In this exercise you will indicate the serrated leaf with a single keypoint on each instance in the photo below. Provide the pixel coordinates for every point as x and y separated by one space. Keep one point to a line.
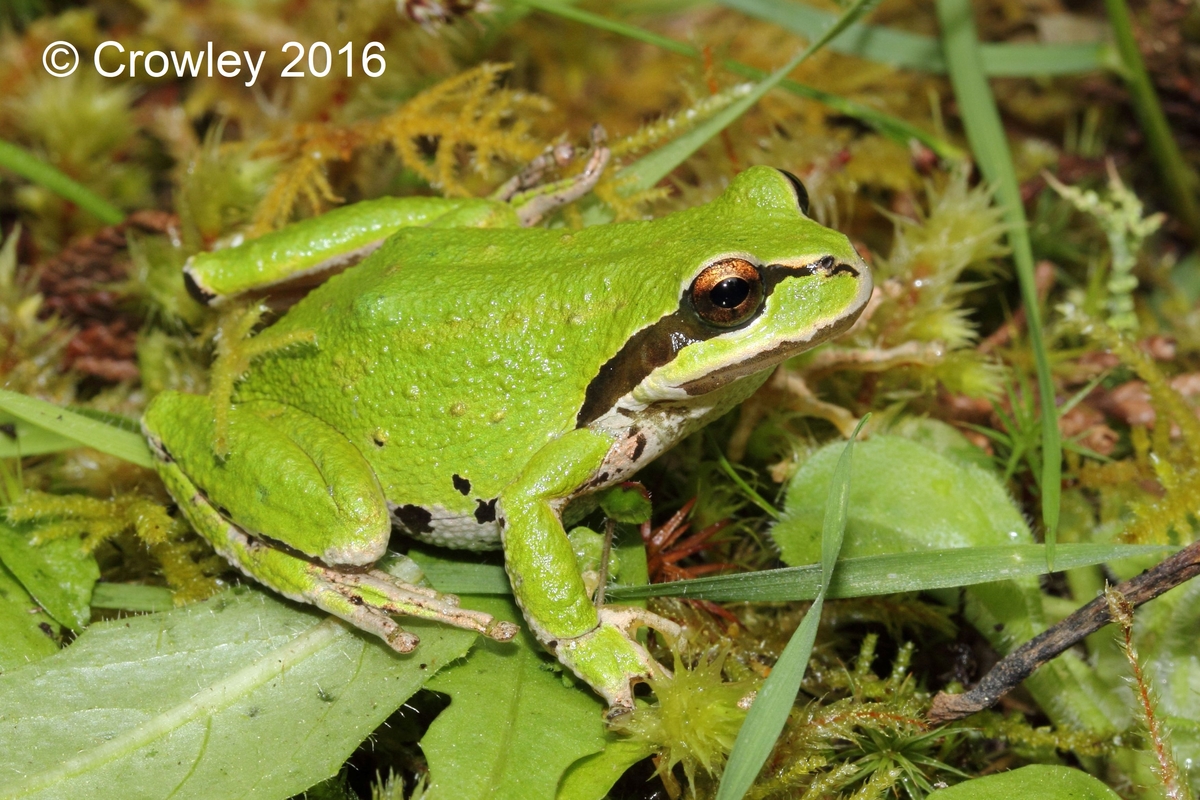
513 726
240 696
23 626
59 574
88 432
1039 780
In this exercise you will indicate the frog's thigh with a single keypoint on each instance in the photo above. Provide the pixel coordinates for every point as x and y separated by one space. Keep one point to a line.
288 476
366 598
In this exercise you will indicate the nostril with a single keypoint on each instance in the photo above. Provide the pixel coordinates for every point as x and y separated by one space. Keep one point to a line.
825 264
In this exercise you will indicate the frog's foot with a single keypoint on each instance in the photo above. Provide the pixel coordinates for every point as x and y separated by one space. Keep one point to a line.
532 203
610 658
365 597
368 599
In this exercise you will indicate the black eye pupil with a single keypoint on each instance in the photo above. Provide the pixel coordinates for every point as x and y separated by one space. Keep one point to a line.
730 293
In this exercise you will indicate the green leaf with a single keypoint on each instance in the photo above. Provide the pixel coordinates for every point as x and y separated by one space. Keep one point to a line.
1039 780
242 696
914 51
904 497
132 597
24 628
592 776
59 574
988 141
774 701
461 577
88 432
628 503
514 726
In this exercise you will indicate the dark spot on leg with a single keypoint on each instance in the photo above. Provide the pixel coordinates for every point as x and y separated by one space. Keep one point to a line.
486 512
355 600
414 518
462 485
9 430
639 446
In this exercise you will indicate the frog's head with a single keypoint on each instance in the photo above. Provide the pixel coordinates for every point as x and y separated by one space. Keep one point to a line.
775 284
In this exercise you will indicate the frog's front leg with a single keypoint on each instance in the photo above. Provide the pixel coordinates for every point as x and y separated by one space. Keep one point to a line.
296 507
598 645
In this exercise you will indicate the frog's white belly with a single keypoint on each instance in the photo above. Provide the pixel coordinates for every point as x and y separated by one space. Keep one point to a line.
439 526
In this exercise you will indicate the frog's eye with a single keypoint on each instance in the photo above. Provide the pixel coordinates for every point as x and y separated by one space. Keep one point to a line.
727 293
801 192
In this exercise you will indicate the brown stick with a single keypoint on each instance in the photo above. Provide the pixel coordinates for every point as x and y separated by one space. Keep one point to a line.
1020 664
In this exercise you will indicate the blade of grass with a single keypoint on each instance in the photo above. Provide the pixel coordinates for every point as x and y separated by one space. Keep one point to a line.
986 135
746 488
770 710
1178 176
892 127
914 51
650 169
88 432
33 168
868 576
865 576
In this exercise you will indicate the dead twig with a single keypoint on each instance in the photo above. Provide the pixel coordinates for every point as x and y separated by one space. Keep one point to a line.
1020 664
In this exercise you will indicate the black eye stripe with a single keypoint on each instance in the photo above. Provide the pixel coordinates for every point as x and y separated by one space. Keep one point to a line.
659 343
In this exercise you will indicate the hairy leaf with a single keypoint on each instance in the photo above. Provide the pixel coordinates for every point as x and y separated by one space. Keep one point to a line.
24 629
239 696
59 574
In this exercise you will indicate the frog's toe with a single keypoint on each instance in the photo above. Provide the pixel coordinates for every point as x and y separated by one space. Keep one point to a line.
611 660
369 599
630 618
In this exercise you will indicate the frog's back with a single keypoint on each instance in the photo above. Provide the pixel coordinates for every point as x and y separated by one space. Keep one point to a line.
453 356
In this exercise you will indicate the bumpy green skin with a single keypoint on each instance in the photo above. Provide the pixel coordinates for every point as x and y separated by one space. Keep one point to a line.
448 375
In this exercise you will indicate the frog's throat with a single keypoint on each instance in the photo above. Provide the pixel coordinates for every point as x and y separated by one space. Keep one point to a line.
633 378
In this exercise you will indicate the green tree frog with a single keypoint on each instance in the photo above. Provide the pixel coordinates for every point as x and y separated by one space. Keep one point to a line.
472 376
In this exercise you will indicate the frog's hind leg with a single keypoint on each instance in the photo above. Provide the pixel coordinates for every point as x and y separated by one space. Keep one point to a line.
321 487
366 599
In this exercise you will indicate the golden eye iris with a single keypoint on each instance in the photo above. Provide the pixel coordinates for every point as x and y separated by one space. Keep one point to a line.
727 293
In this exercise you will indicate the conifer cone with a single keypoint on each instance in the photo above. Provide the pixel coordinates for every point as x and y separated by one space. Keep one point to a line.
83 286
